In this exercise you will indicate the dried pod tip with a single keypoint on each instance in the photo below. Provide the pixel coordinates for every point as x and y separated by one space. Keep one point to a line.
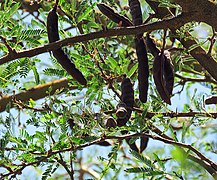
211 100
110 122
121 113
71 123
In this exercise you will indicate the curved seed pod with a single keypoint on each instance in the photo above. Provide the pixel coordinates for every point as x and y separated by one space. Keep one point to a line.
66 63
158 67
143 69
132 145
127 92
104 143
211 100
124 109
110 122
143 143
121 111
71 123
151 46
52 25
168 73
136 12
115 17
62 58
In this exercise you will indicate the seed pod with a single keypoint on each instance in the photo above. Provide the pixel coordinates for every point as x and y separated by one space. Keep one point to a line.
211 100
124 109
110 122
135 10
121 111
132 145
62 58
143 143
71 123
158 67
143 69
115 17
127 92
168 72
52 25
66 63
104 143
151 46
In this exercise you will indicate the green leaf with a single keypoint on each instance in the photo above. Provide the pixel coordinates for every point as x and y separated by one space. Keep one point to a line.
36 75
132 70
141 158
113 63
12 10
85 14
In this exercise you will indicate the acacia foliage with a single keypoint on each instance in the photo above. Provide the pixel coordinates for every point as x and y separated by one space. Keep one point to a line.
60 134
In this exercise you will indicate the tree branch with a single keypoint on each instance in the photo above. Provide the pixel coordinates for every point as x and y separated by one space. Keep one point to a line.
175 22
36 92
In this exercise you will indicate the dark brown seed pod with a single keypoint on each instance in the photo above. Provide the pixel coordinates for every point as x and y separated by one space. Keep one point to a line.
135 10
110 122
158 67
124 109
127 92
143 69
132 145
143 143
71 123
66 63
115 17
62 58
52 25
104 143
121 111
151 46
168 72
211 100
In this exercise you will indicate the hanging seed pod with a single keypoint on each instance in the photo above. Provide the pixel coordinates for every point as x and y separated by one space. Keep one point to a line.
143 143
211 100
167 67
66 63
124 109
52 25
110 122
104 143
158 67
127 92
121 111
62 58
143 69
135 10
71 123
168 72
151 46
114 16
132 145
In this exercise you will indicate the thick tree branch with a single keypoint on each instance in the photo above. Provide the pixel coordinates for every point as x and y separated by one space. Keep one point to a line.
119 31
36 92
